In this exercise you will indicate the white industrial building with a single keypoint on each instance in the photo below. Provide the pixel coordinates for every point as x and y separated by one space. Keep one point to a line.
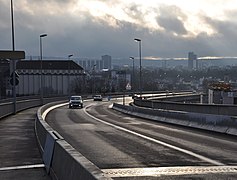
58 77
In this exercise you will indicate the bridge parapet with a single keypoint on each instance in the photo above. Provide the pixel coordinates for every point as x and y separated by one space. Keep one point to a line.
219 118
215 109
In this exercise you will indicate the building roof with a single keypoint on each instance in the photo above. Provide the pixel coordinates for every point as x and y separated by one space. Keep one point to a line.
48 64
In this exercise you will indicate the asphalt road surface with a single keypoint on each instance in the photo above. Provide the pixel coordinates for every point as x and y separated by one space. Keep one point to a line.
127 147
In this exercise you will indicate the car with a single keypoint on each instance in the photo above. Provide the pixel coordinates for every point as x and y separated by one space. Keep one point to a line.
134 96
97 98
75 101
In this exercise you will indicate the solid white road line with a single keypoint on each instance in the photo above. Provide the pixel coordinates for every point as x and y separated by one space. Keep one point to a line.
23 167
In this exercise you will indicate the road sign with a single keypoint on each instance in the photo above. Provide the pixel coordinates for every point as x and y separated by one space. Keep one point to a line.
128 87
12 55
16 79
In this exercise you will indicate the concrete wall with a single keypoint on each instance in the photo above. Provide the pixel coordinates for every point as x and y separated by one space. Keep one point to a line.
178 97
213 122
7 108
230 110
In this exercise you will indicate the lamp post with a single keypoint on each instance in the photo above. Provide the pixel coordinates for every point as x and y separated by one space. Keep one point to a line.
12 20
69 89
70 56
124 86
41 66
140 72
133 77
14 61
93 85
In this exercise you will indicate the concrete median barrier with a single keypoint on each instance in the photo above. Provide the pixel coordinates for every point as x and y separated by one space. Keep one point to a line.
68 163
218 123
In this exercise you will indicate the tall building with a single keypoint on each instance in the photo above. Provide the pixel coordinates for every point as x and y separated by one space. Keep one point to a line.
106 61
191 58
94 64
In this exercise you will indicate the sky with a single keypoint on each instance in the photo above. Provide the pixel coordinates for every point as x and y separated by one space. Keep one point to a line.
92 28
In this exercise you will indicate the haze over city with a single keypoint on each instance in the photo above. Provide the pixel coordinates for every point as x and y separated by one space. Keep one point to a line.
91 28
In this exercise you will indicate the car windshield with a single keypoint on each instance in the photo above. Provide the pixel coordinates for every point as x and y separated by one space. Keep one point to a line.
76 98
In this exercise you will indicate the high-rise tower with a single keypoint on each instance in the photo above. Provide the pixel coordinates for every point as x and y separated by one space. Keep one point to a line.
106 61
191 58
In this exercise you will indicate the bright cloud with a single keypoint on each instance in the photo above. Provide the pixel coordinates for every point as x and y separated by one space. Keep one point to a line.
144 13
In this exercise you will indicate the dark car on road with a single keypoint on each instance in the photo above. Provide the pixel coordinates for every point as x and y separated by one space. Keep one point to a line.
75 101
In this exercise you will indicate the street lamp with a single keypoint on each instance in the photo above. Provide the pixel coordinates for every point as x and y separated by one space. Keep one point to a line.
41 36
69 89
70 56
124 86
93 74
140 74
14 62
41 66
133 77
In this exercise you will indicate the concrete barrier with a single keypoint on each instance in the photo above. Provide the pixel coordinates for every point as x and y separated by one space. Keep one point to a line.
218 123
68 163
217 109
7 107
62 161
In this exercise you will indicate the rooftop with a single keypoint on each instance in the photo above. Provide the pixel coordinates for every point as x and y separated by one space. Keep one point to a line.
48 64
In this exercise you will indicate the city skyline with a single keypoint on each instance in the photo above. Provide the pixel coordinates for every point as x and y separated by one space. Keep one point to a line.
92 28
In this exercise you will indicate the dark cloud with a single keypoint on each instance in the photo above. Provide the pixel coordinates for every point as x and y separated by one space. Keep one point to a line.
224 40
171 19
85 35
